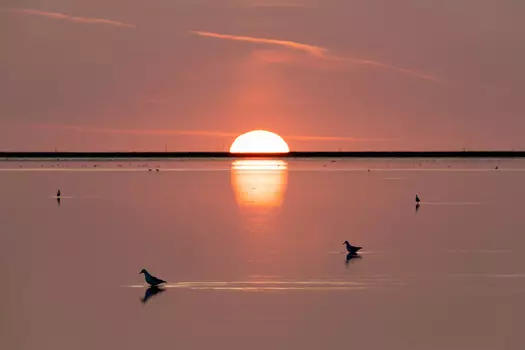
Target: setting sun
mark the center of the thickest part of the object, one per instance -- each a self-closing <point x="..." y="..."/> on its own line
<point x="259" y="141"/>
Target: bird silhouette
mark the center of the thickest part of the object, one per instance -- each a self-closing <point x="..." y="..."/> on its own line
<point x="150" y="279"/>
<point x="417" y="199"/>
<point x="351" y="249"/>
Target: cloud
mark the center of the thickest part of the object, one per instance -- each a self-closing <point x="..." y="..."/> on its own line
<point x="61" y="16"/>
<point x="322" y="53"/>
<point x="311" y="49"/>
<point x="334" y="138"/>
<point x="79" y="128"/>
<point x="202" y="133"/>
<point x="386" y="66"/>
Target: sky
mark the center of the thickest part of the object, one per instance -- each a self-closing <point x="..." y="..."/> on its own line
<point x="191" y="75"/>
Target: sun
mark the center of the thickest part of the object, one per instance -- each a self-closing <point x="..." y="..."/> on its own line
<point x="259" y="141"/>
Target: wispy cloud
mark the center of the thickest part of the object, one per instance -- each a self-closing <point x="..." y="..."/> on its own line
<point x="311" y="49"/>
<point x="89" y="129"/>
<point x="175" y="132"/>
<point x="334" y="138"/>
<point x="322" y="53"/>
<point x="64" y="17"/>
<point x="386" y="66"/>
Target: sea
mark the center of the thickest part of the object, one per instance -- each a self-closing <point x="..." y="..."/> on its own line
<point x="253" y="254"/>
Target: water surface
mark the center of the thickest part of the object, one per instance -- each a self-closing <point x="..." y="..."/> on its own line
<point x="253" y="254"/>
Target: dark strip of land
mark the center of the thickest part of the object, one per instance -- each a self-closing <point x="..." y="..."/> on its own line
<point x="165" y="155"/>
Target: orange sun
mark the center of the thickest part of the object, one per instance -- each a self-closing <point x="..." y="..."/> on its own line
<point x="259" y="141"/>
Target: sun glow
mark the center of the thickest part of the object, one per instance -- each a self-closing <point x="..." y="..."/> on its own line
<point x="259" y="141"/>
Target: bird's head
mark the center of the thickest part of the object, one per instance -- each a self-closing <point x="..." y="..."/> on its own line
<point x="345" y="242"/>
<point x="143" y="271"/>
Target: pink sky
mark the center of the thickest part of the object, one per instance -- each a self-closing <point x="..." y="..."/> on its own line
<point x="324" y="74"/>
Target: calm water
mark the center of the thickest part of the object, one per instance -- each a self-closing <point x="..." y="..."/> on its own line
<point x="254" y="257"/>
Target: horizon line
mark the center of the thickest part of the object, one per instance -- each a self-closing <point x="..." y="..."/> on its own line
<point x="292" y="154"/>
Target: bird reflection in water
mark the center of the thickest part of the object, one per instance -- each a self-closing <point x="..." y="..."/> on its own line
<point x="259" y="183"/>
<point x="417" y="208"/>
<point x="350" y="257"/>
<point x="150" y="292"/>
<point x="58" y="201"/>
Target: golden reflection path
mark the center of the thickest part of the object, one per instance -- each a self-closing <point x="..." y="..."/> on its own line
<point x="259" y="183"/>
<point x="260" y="188"/>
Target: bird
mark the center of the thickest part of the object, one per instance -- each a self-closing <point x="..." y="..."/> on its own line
<point x="150" y="279"/>
<point x="417" y="199"/>
<point x="351" y="249"/>
<point x="58" y="193"/>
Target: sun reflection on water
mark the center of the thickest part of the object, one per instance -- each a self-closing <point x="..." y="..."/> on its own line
<point x="259" y="183"/>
